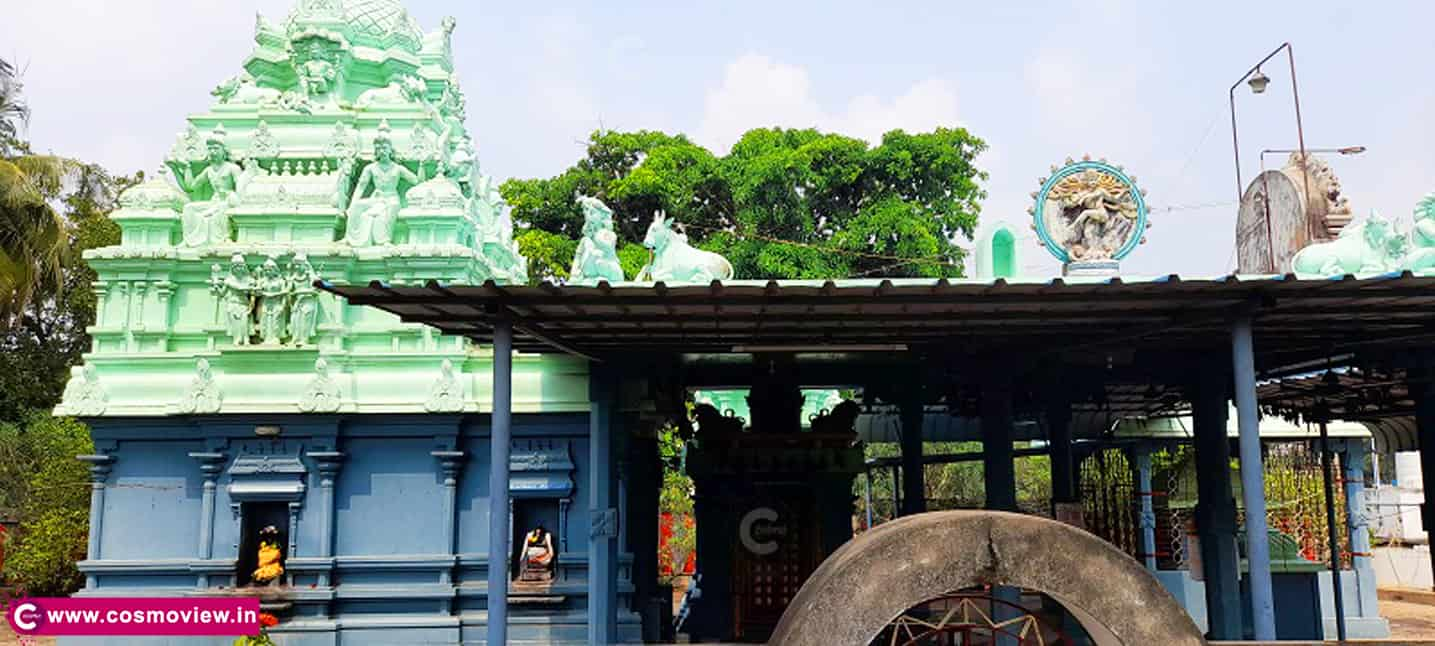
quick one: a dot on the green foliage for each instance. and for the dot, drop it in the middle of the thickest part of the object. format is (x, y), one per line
(782, 203)
(48, 490)
(550, 255)
(955, 485)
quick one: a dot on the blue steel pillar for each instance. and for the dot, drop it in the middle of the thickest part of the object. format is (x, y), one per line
(1253, 490)
(498, 530)
(1142, 453)
(603, 532)
(210, 464)
(1216, 506)
(1356, 452)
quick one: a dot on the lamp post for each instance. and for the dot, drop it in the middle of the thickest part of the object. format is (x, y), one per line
(1258, 82)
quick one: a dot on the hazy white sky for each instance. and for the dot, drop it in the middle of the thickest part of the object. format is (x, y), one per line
(1140, 82)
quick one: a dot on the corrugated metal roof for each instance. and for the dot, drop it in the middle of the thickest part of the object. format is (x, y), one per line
(1294, 319)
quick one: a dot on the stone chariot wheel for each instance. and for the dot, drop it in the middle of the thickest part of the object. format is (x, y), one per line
(969, 619)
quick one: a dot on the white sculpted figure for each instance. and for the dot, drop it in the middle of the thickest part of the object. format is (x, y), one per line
(207, 222)
(371, 219)
(1099, 213)
(236, 295)
(597, 255)
(446, 393)
(676, 261)
(273, 298)
(303, 301)
(203, 395)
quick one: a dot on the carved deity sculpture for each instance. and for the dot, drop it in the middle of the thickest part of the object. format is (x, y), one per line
(273, 290)
(1421, 257)
(85, 397)
(1365, 247)
(269, 569)
(263, 144)
(676, 261)
(203, 395)
(315, 64)
(235, 294)
(403, 91)
(322, 394)
(242, 89)
(303, 301)
(1099, 214)
(446, 393)
(597, 255)
(538, 557)
(207, 222)
(371, 219)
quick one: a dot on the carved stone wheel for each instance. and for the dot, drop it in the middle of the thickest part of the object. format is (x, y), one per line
(969, 619)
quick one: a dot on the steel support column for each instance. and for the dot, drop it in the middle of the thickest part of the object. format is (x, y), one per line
(499, 446)
(1253, 492)
(914, 489)
(1147, 523)
(603, 533)
(1216, 506)
(1063, 466)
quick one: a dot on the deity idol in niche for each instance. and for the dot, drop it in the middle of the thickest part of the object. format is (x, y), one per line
(371, 219)
(1101, 214)
(269, 569)
(207, 222)
(538, 561)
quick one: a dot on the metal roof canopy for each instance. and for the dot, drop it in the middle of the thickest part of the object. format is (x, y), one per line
(1297, 323)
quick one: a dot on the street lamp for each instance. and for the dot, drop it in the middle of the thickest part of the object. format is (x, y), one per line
(1258, 82)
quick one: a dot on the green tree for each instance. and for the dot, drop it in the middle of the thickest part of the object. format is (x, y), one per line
(48, 489)
(782, 203)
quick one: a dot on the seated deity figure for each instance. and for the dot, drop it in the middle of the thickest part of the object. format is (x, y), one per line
(269, 569)
(538, 561)
(371, 219)
(597, 255)
(207, 222)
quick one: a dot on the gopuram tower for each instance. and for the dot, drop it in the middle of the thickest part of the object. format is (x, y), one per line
(231, 399)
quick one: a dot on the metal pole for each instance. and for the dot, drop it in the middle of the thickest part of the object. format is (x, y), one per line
(896, 494)
(1300, 137)
(1258, 546)
(867, 496)
(1333, 531)
(498, 530)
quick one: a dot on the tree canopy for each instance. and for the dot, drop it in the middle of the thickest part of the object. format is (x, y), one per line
(781, 204)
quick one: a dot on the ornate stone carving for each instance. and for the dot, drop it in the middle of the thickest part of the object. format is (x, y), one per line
(242, 88)
(676, 261)
(322, 394)
(303, 301)
(85, 397)
(1089, 214)
(404, 91)
(234, 299)
(203, 394)
(597, 255)
(273, 293)
(1369, 246)
(371, 219)
(446, 394)
(262, 143)
(206, 221)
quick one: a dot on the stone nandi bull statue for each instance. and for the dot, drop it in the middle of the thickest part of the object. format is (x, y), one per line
(676, 261)
(1370, 246)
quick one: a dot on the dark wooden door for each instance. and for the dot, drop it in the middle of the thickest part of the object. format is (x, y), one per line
(775, 549)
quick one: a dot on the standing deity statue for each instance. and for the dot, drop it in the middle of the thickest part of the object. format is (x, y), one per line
(207, 222)
(273, 297)
(235, 292)
(371, 219)
(597, 255)
(303, 301)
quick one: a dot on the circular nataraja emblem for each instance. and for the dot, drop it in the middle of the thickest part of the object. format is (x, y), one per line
(1089, 211)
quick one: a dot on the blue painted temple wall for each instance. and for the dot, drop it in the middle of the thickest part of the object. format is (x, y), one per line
(392, 576)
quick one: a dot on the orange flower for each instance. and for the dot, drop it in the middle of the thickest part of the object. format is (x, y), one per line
(267, 620)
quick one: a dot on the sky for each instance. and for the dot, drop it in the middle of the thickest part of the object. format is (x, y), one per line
(1142, 83)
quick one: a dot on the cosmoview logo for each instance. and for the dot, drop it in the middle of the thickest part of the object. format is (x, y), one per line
(25, 617)
(759, 532)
